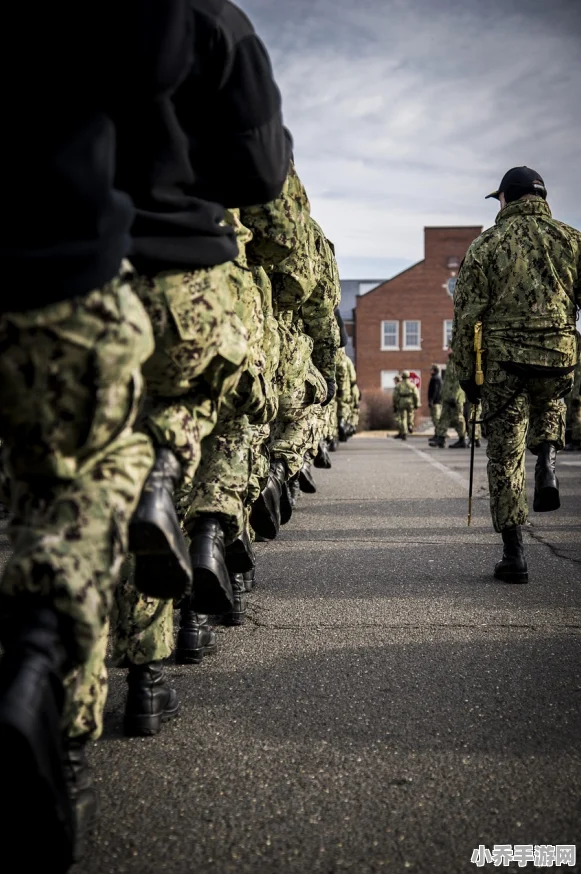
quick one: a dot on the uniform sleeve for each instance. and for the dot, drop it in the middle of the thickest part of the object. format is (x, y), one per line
(417, 399)
(278, 227)
(318, 312)
(471, 299)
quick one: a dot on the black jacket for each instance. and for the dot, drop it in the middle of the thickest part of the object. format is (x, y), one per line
(71, 69)
(219, 141)
(435, 390)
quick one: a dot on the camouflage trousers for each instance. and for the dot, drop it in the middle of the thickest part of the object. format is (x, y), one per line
(535, 415)
(260, 461)
(70, 387)
(200, 353)
(435, 413)
(221, 484)
(290, 441)
(143, 632)
(405, 416)
(452, 417)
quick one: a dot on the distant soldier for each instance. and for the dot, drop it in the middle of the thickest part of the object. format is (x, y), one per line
(435, 395)
(406, 399)
(452, 415)
(521, 280)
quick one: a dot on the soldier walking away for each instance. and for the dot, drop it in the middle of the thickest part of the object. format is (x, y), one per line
(73, 337)
(435, 395)
(406, 399)
(521, 280)
(573, 401)
(452, 415)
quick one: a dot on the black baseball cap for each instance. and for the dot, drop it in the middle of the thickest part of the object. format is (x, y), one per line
(519, 181)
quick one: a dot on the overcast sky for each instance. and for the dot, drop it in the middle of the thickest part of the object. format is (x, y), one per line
(406, 113)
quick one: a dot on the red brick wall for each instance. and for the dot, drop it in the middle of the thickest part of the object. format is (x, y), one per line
(415, 294)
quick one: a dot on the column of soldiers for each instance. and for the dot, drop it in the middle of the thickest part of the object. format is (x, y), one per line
(171, 368)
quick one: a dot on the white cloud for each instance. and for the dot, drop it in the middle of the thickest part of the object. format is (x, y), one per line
(406, 113)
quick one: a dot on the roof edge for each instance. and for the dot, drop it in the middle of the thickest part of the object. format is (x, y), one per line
(391, 278)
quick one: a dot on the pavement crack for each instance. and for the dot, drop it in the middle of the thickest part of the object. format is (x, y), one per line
(536, 536)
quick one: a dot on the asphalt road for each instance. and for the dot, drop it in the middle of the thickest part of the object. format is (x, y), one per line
(388, 705)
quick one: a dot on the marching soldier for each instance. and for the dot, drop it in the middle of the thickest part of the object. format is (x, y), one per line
(521, 280)
(452, 415)
(406, 399)
(435, 395)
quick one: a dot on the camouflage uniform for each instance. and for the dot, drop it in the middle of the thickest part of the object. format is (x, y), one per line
(406, 399)
(452, 403)
(344, 395)
(221, 483)
(305, 287)
(353, 419)
(573, 403)
(70, 389)
(520, 278)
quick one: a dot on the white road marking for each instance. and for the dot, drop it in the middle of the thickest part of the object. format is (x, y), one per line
(569, 464)
(453, 474)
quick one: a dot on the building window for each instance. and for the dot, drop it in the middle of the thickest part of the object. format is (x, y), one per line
(389, 335)
(412, 335)
(387, 377)
(447, 332)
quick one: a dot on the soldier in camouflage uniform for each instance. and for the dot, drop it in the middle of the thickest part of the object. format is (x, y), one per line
(406, 399)
(573, 402)
(521, 279)
(305, 289)
(73, 338)
(452, 415)
(353, 415)
(344, 396)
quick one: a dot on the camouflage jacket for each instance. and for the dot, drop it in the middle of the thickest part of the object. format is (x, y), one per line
(279, 228)
(318, 310)
(522, 280)
(405, 391)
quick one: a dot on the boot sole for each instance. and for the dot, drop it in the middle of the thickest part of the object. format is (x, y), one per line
(147, 724)
(306, 486)
(211, 596)
(522, 577)
(30, 810)
(231, 620)
(158, 573)
(546, 500)
(194, 656)
(262, 523)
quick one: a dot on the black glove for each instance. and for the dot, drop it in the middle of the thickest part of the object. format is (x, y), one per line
(331, 389)
(472, 391)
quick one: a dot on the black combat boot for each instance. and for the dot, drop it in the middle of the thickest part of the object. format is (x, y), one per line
(294, 489)
(333, 444)
(286, 505)
(196, 638)
(150, 700)
(322, 458)
(513, 567)
(403, 437)
(238, 611)
(240, 554)
(397, 436)
(82, 792)
(212, 592)
(250, 580)
(37, 816)
(306, 482)
(462, 443)
(342, 431)
(265, 513)
(162, 563)
(546, 496)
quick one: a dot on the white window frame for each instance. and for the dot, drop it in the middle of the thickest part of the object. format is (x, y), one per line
(447, 322)
(390, 374)
(385, 348)
(405, 344)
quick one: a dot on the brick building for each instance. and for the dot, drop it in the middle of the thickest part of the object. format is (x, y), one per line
(405, 323)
